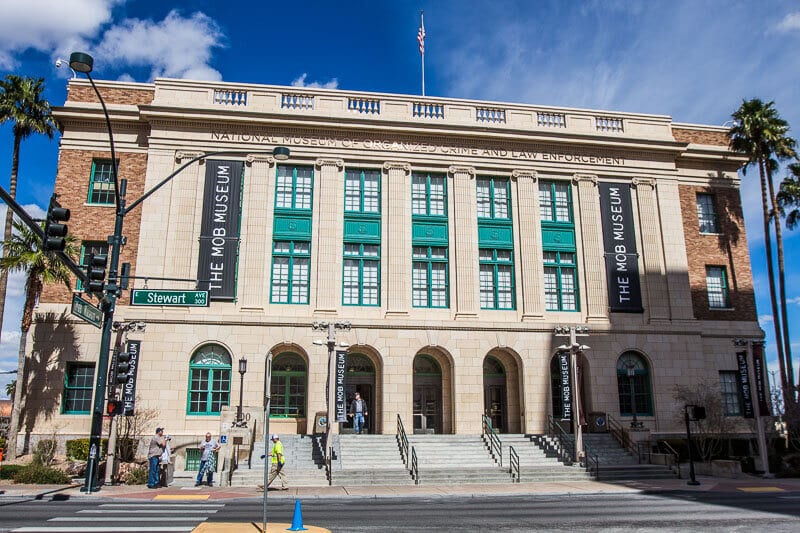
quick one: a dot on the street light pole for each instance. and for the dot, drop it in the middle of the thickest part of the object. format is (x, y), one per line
(630, 365)
(81, 62)
(576, 350)
(239, 417)
(330, 390)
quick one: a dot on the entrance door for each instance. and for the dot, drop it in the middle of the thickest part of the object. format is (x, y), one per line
(365, 390)
(494, 393)
(428, 408)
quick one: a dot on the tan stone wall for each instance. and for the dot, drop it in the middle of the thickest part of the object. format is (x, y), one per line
(700, 137)
(93, 222)
(728, 249)
(82, 93)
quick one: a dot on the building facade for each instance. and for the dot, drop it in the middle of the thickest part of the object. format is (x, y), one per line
(454, 236)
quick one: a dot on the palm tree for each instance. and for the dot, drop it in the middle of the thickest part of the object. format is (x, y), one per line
(760, 133)
(22, 105)
(789, 196)
(10, 386)
(23, 253)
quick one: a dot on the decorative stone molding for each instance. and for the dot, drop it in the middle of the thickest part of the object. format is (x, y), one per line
(338, 163)
(461, 170)
(392, 165)
(180, 156)
(644, 181)
(524, 173)
(257, 158)
(577, 178)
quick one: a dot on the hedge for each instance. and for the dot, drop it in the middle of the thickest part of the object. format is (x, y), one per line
(78, 449)
(41, 475)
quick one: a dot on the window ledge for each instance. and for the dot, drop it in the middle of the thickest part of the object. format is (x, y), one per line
(724, 309)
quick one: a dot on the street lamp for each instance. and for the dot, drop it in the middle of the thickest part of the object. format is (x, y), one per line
(240, 422)
(82, 62)
(576, 350)
(330, 390)
(630, 366)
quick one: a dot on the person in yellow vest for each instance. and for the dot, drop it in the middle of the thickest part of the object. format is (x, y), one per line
(278, 460)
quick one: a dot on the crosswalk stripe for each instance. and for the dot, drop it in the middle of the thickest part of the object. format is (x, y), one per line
(139, 519)
(159, 505)
(88, 529)
(146, 511)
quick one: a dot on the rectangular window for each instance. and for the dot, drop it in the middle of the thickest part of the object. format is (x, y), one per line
(707, 214)
(730, 393)
(78, 387)
(361, 274)
(717, 286)
(362, 191)
(101, 183)
(493, 198)
(294, 187)
(429, 276)
(560, 281)
(428, 195)
(291, 262)
(90, 248)
(496, 279)
(555, 201)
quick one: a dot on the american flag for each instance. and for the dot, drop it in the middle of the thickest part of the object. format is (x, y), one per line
(421, 35)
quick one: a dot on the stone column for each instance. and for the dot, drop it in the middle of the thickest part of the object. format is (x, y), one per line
(465, 229)
(183, 226)
(327, 256)
(256, 245)
(594, 268)
(529, 231)
(675, 262)
(397, 236)
(657, 296)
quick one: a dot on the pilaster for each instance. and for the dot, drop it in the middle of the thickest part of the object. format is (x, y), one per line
(531, 269)
(256, 250)
(657, 295)
(327, 254)
(594, 268)
(397, 232)
(466, 243)
(185, 213)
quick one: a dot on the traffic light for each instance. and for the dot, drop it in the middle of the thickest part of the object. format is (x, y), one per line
(123, 367)
(55, 231)
(115, 407)
(96, 272)
(697, 412)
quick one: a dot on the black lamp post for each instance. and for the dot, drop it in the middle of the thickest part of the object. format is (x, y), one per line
(81, 62)
(630, 365)
(242, 370)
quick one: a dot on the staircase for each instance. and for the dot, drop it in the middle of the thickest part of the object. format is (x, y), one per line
(536, 464)
(456, 459)
(368, 460)
(617, 463)
(305, 464)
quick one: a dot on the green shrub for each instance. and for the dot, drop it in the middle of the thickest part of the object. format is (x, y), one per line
(44, 451)
(8, 471)
(790, 465)
(136, 476)
(78, 449)
(41, 475)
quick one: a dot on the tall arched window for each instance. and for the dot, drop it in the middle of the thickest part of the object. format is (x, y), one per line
(633, 385)
(288, 392)
(209, 380)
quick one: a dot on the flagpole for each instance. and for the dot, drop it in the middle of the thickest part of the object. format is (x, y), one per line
(421, 39)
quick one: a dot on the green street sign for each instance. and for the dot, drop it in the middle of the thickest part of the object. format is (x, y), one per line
(85, 310)
(169, 298)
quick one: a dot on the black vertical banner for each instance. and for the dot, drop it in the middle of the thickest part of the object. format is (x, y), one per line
(566, 388)
(619, 240)
(341, 408)
(129, 387)
(762, 388)
(219, 230)
(744, 386)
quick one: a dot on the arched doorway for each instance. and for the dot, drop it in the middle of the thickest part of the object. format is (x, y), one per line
(288, 387)
(495, 404)
(360, 378)
(427, 395)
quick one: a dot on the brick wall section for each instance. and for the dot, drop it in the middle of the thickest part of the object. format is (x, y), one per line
(728, 249)
(91, 222)
(81, 93)
(700, 137)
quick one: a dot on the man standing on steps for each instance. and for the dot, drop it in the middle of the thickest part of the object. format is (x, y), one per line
(358, 410)
(278, 460)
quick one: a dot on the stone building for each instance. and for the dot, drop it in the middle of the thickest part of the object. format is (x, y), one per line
(454, 236)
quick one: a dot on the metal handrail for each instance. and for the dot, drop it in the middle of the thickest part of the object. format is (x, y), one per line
(402, 440)
(495, 446)
(566, 442)
(513, 460)
(618, 432)
(676, 463)
(590, 460)
(414, 466)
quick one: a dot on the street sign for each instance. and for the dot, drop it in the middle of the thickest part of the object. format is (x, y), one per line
(85, 310)
(169, 298)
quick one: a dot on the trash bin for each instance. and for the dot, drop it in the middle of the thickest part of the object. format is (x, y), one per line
(166, 474)
(320, 422)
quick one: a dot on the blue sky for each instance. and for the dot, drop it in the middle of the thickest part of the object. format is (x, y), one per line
(692, 60)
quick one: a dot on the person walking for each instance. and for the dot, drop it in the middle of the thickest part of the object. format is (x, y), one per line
(157, 445)
(358, 410)
(278, 460)
(208, 461)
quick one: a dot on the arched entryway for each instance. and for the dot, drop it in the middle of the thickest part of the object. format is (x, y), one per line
(495, 393)
(360, 377)
(288, 387)
(427, 395)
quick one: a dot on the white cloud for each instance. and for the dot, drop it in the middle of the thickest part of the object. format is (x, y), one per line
(177, 47)
(301, 82)
(795, 300)
(49, 27)
(764, 319)
(791, 22)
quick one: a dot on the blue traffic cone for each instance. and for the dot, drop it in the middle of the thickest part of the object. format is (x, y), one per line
(297, 519)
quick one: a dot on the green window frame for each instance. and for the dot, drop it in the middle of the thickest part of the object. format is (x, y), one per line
(361, 276)
(428, 195)
(642, 393)
(729, 388)
(78, 389)
(555, 202)
(560, 281)
(717, 287)
(497, 278)
(429, 279)
(90, 247)
(288, 386)
(362, 191)
(294, 188)
(494, 198)
(101, 183)
(707, 213)
(209, 380)
(291, 271)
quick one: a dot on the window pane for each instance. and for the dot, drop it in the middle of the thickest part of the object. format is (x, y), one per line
(545, 202)
(562, 202)
(717, 290)
(352, 192)
(282, 247)
(706, 213)
(568, 302)
(551, 288)
(300, 275)
(372, 199)
(485, 254)
(437, 196)
(371, 250)
(303, 192)
(504, 255)
(730, 393)
(439, 284)
(419, 252)
(370, 282)
(487, 286)
(302, 247)
(283, 194)
(280, 279)
(438, 253)
(352, 249)
(419, 282)
(504, 284)
(500, 199)
(351, 283)
(418, 195)
(484, 206)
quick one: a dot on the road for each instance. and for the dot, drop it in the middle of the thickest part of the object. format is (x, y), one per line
(673, 511)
